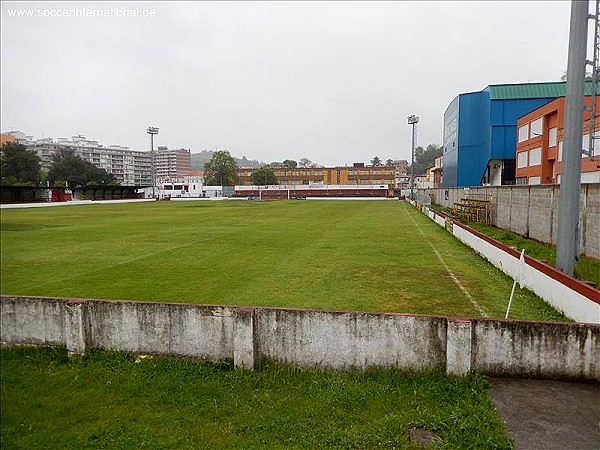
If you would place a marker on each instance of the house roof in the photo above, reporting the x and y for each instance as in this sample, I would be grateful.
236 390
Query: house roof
533 90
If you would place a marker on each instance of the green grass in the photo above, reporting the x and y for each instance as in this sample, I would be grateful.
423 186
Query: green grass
107 400
346 255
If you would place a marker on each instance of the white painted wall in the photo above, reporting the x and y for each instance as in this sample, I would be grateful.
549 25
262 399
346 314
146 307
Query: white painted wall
570 302
562 297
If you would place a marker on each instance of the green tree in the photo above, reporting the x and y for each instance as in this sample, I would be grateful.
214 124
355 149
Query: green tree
66 166
305 162
264 176
425 158
19 165
376 161
389 162
290 164
221 170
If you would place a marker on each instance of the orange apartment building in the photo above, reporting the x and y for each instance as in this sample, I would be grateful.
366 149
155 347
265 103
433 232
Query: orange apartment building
540 142
6 138
307 176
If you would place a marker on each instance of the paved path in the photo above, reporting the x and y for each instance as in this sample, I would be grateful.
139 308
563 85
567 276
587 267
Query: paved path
546 415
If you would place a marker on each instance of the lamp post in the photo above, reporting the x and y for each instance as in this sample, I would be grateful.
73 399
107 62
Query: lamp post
412 120
567 236
152 131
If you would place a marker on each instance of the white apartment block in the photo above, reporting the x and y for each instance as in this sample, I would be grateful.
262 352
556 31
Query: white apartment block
130 167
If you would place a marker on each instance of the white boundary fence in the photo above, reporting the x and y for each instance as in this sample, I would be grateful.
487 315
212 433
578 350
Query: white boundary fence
576 300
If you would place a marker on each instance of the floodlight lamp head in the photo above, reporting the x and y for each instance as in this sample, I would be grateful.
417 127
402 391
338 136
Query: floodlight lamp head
152 130
412 119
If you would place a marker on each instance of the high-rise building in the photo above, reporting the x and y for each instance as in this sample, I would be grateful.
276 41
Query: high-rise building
172 163
130 167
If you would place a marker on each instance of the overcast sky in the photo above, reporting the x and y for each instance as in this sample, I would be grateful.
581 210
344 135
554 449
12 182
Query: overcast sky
329 81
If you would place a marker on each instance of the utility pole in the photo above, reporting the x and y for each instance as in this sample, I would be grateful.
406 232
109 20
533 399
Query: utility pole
567 239
152 131
412 120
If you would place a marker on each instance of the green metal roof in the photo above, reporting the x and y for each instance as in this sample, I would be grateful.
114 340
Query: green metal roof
533 90
589 85
528 90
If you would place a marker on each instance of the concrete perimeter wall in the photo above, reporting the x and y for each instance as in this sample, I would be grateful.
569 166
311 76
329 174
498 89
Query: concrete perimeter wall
576 300
532 211
307 338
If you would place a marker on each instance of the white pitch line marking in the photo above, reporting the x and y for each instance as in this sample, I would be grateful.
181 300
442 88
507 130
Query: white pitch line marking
458 283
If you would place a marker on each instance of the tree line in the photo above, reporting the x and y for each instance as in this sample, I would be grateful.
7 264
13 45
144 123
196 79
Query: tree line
22 167
424 158
221 170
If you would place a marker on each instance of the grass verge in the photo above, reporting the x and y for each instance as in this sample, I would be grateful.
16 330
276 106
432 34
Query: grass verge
108 400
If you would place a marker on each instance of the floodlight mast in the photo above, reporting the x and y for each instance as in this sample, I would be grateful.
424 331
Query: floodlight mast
412 120
567 236
152 131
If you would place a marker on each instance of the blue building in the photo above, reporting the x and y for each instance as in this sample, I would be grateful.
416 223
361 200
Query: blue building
480 131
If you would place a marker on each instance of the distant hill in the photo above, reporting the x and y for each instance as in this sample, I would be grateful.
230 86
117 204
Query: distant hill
198 160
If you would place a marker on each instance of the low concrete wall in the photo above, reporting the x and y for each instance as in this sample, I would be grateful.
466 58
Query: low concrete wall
576 300
351 339
306 338
177 329
538 349
33 320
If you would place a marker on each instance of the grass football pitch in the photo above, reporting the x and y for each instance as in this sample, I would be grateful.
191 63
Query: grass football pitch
350 255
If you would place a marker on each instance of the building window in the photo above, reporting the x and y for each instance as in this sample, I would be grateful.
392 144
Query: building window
524 133
586 144
535 156
536 128
560 150
522 160
552 136
521 181
534 180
